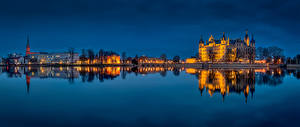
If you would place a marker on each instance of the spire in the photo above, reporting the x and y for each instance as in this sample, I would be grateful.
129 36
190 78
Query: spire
252 41
201 40
27 46
211 38
224 37
246 38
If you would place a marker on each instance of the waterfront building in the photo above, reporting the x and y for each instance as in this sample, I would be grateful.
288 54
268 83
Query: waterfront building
49 58
145 59
1 61
105 58
53 58
226 50
15 59
112 59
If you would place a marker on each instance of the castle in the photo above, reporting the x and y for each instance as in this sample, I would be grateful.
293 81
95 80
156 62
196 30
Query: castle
226 50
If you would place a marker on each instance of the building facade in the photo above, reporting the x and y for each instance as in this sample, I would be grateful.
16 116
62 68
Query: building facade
226 50
52 58
49 58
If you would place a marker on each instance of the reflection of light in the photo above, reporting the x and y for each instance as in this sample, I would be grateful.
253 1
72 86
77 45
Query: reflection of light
191 70
222 81
260 70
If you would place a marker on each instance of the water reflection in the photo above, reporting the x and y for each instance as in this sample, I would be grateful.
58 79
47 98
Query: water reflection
222 81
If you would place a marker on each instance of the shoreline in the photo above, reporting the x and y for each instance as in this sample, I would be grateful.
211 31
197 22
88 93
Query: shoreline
175 65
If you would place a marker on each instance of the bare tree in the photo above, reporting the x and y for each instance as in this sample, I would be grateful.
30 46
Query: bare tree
71 52
123 57
101 56
176 59
91 55
163 57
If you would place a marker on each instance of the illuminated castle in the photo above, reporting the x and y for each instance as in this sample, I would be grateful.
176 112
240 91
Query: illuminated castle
226 50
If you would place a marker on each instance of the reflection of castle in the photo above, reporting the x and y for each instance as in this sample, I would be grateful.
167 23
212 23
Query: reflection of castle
226 81
227 50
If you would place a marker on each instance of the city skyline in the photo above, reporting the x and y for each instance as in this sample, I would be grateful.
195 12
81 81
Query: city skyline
156 52
145 28
144 63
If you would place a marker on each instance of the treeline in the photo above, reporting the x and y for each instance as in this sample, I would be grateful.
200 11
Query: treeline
271 54
294 60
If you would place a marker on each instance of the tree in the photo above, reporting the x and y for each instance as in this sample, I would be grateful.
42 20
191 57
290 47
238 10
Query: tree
71 52
288 60
298 59
269 53
123 56
275 51
135 60
176 59
83 56
101 56
265 53
91 55
259 53
163 57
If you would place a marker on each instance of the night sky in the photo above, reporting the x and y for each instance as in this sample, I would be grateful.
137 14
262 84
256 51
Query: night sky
145 27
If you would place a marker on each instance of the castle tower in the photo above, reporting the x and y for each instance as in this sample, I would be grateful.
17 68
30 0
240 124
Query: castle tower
223 39
252 41
211 39
27 46
246 38
201 44
228 40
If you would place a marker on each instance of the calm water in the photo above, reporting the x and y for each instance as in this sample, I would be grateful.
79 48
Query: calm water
114 96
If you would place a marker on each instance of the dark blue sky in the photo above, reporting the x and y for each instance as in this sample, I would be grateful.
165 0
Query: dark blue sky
145 27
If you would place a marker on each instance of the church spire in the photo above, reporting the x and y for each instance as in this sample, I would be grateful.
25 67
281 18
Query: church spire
27 41
27 46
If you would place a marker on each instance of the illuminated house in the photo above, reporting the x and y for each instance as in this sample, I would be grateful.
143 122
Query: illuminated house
226 50
107 58
53 58
112 59
15 59
144 59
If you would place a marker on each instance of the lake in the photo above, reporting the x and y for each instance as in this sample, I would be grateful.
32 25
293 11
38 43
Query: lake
153 96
